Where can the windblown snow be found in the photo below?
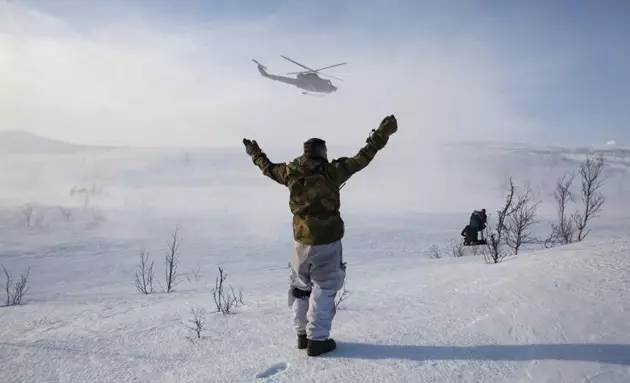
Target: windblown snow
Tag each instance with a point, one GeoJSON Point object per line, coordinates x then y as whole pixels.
{"type": "Point", "coordinates": [546, 315]}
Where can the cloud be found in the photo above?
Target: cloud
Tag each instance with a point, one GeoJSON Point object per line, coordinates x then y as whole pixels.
{"type": "Point", "coordinates": [141, 81]}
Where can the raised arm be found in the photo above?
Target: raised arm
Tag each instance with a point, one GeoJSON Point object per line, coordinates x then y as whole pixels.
{"type": "Point", "coordinates": [343, 168]}
{"type": "Point", "coordinates": [277, 172]}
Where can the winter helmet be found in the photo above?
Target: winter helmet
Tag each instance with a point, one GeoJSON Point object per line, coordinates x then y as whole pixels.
{"type": "Point", "coordinates": [315, 148]}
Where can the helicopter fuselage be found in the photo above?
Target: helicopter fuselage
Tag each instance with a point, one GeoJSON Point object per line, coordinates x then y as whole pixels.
{"type": "Point", "coordinates": [312, 82]}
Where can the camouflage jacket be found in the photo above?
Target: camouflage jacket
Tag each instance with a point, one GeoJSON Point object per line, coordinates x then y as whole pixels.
{"type": "Point", "coordinates": [314, 185]}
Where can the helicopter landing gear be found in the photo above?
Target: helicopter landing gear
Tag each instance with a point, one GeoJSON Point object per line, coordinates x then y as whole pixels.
{"type": "Point", "coordinates": [312, 94]}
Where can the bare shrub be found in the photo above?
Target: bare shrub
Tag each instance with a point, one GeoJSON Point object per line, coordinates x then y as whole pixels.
{"type": "Point", "coordinates": [562, 231]}
{"type": "Point", "coordinates": [457, 248]}
{"type": "Point", "coordinates": [196, 274]}
{"type": "Point", "coordinates": [144, 274]}
{"type": "Point", "coordinates": [238, 298]}
{"type": "Point", "coordinates": [39, 219]}
{"type": "Point", "coordinates": [86, 192]}
{"type": "Point", "coordinates": [15, 292]}
{"type": "Point", "coordinates": [519, 221]}
{"type": "Point", "coordinates": [225, 299]}
{"type": "Point", "coordinates": [569, 229]}
{"type": "Point", "coordinates": [66, 213]}
{"type": "Point", "coordinates": [342, 295]}
{"type": "Point", "coordinates": [476, 250]}
{"type": "Point", "coordinates": [592, 177]}
{"type": "Point", "coordinates": [435, 252]}
{"type": "Point", "coordinates": [218, 291]}
{"type": "Point", "coordinates": [496, 237]}
{"type": "Point", "coordinates": [198, 321]}
{"type": "Point", "coordinates": [28, 211]}
{"type": "Point", "coordinates": [171, 261]}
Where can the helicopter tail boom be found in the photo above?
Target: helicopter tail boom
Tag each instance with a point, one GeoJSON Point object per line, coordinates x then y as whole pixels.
{"type": "Point", "coordinates": [261, 68]}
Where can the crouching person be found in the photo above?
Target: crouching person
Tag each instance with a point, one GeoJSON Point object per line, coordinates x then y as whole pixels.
{"type": "Point", "coordinates": [317, 267]}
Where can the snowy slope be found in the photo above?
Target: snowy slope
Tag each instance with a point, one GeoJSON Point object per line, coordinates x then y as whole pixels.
{"type": "Point", "coordinates": [557, 315]}
{"type": "Point", "coordinates": [553, 316]}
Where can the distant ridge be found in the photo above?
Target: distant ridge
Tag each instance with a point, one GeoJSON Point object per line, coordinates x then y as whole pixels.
{"type": "Point", "coordinates": [20, 141]}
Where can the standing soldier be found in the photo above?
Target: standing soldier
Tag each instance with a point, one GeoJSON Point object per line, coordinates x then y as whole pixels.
{"type": "Point", "coordinates": [317, 268]}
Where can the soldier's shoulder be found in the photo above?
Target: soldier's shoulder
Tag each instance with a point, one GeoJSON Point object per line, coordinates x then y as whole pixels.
{"type": "Point", "coordinates": [337, 160]}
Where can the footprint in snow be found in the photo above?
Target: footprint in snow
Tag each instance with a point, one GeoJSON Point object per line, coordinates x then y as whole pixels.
{"type": "Point", "coordinates": [272, 370]}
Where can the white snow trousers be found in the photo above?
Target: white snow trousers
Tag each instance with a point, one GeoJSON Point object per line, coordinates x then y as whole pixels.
{"type": "Point", "coordinates": [317, 274]}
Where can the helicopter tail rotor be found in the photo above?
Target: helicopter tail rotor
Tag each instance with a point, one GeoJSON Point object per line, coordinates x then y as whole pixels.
{"type": "Point", "coordinates": [259, 64]}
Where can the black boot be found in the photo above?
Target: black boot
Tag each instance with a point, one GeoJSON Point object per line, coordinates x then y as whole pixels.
{"type": "Point", "coordinates": [318, 347]}
{"type": "Point", "coordinates": [302, 341]}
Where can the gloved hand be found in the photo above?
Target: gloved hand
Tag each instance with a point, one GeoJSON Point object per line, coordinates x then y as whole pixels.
{"type": "Point", "coordinates": [251, 147]}
{"type": "Point", "coordinates": [388, 126]}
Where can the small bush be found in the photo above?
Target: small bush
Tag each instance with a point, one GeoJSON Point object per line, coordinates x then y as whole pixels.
{"type": "Point", "coordinates": [28, 211]}
{"type": "Point", "coordinates": [225, 299]}
{"type": "Point", "coordinates": [144, 274]}
{"type": "Point", "coordinates": [66, 213]}
{"type": "Point", "coordinates": [341, 296]}
{"type": "Point", "coordinates": [171, 261]}
{"type": "Point", "coordinates": [496, 237]}
{"type": "Point", "coordinates": [435, 252]}
{"type": "Point", "coordinates": [195, 275]}
{"type": "Point", "coordinates": [592, 176]}
{"type": "Point", "coordinates": [520, 220]}
{"type": "Point", "coordinates": [198, 321]}
{"type": "Point", "coordinates": [563, 231]}
{"type": "Point", "coordinates": [457, 248]}
{"type": "Point", "coordinates": [570, 228]}
{"type": "Point", "coordinates": [15, 292]}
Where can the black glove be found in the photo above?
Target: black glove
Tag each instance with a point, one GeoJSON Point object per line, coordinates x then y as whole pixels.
{"type": "Point", "coordinates": [388, 126]}
{"type": "Point", "coordinates": [251, 147]}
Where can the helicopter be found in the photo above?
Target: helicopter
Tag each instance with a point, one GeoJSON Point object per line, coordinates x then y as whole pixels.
{"type": "Point", "coordinates": [307, 80]}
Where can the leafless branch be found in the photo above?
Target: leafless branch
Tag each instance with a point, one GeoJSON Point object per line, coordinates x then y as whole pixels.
{"type": "Point", "coordinates": [217, 292]}
{"type": "Point", "coordinates": [592, 176]}
{"type": "Point", "coordinates": [196, 274]}
{"type": "Point", "coordinates": [198, 321]}
{"type": "Point", "coordinates": [496, 237]}
{"type": "Point", "coordinates": [27, 210]}
{"type": "Point", "coordinates": [435, 252]}
{"type": "Point", "coordinates": [457, 248]}
{"type": "Point", "coordinates": [7, 286]}
{"type": "Point", "coordinates": [144, 274]}
{"type": "Point", "coordinates": [563, 231]}
{"type": "Point", "coordinates": [224, 299]}
{"type": "Point", "coordinates": [67, 213]}
{"type": "Point", "coordinates": [171, 261]}
{"type": "Point", "coordinates": [342, 295]}
{"type": "Point", "coordinates": [519, 221]}
{"type": "Point", "coordinates": [15, 293]}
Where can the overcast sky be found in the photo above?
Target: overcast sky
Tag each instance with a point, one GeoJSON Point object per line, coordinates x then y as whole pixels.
{"type": "Point", "coordinates": [180, 73]}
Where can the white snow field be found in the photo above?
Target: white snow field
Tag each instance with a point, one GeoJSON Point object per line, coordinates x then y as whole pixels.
{"type": "Point", "coordinates": [546, 315]}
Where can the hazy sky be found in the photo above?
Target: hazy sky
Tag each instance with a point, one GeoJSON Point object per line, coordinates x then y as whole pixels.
{"type": "Point", "coordinates": [158, 72]}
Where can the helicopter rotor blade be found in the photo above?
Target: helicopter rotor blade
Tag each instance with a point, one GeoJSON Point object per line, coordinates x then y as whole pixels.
{"type": "Point", "coordinates": [297, 63]}
{"type": "Point", "coordinates": [310, 70]}
{"type": "Point", "coordinates": [321, 74]}
{"type": "Point", "coordinates": [330, 66]}
{"type": "Point", "coordinates": [327, 75]}
{"type": "Point", "coordinates": [320, 69]}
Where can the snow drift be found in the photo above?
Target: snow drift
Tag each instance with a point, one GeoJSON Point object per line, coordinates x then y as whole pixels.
{"type": "Point", "coordinates": [557, 315]}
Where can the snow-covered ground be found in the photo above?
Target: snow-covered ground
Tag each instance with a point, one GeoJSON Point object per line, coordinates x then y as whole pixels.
{"type": "Point", "coordinates": [554, 315]}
